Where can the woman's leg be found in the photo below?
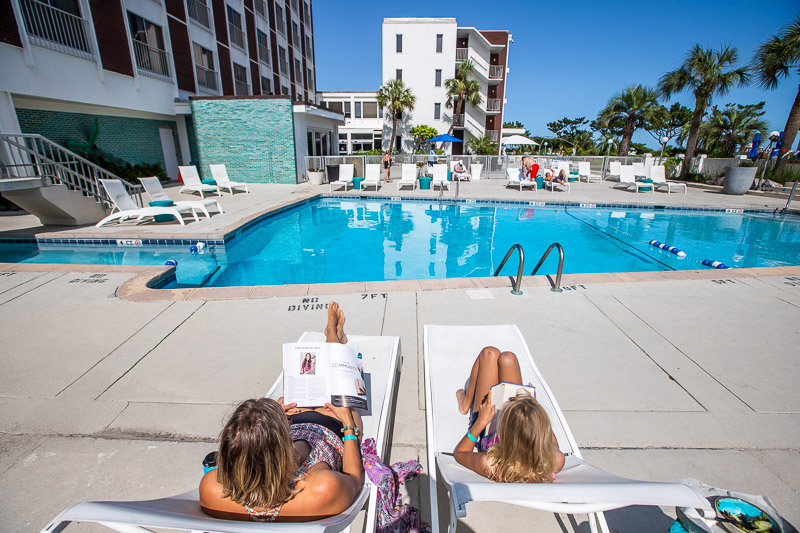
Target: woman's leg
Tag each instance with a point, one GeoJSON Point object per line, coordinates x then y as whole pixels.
{"type": "Point", "coordinates": [484, 376]}
{"type": "Point", "coordinates": [508, 368]}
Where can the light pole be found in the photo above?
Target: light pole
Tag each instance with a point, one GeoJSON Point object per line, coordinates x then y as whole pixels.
{"type": "Point", "coordinates": [664, 141]}
{"type": "Point", "coordinates": [545, 147]}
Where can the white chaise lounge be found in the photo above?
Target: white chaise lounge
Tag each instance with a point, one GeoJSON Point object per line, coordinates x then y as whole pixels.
{"type": "Point", "coordinates": [193, 183]}
{"type": "Point", "coordinates": [585, 172]}
{"type": "Point", "coordinates": [408, 176]}
{"type": "Point", "coordinates": [345, 177]}
{"type": "Point", "coordinates": [628, 178]}
{"type": "Point", "coordinates": [440, 177]}
{"type": "Point", "coordinates": [381, 357]}
{"type": "Point", "coordinates": [659, 176]}
{"type": "Point", "coordinates": [220, 175]}
{"type": "Point", "coordinates": [152, 186]}
{"type": "Point", "coordinates": [125, 208]}
{"type": "Point", "coordinates": [515, 179]}
{"type": "Point", "coordinates": [372, 176]}
{"type": "Point", "coordinates": [578, 488]}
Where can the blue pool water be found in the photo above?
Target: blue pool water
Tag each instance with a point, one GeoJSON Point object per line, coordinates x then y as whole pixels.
{"type": "Point", "coordinates": [338, 240]}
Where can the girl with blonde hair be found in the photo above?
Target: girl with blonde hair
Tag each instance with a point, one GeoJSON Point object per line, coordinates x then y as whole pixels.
{"type": "Point", "coordinates": [524, 448]}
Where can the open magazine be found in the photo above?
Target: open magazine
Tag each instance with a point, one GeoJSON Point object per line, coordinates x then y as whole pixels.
{"type": "Point", "coordinates": [315, 373]}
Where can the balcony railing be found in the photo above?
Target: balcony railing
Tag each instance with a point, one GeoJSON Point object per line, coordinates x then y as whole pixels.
{"type": "Point", "coordinates": [52, 28]}
{"type": "Point", "coordinates": [462, 54]}
{"type": "Point", "coordinates": [263, 54]}
{"type": "Point", "coordinates": [458, 121]}
{"type": "Point", "coordinates": [493, 135]}
{"type": "Point", "coordinates": [496, 72]}
{"type": "Point", "coordinates": [151, 61]}
{"type": "Point", "coordinates": [493, 105]}
{"type": "Point", "coordinates": [237, 35]}
{"type": "Point", "coordinates": [261, 8]}
{"type": "Point", "coordinates": [241, 88]}
{"type": "Point", "coordinates": [199, 12]}
{"type": "Point", "coordinates": [206, 78]}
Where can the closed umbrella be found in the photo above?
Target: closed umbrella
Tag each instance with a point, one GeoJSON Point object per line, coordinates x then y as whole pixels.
{"type": "Point", "coordinates": [753, 153]}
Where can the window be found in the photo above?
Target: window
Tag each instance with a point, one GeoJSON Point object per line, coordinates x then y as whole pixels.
{"type": "Point", "coordinates": [282, 60]}
{"type": "Point", "coordinates": [148, 47]}
{"type": "Point", "coordinates": [438, 43]}
{"type": "Point", "coordinates": [310, 79]}
{"type": "Point", "coordinates": [438, 82]}
{"type": "Point", "coordinates": [279, 23]}
{"type": "Point", "coordinates": [198, 11]}
{"type": "Point", "coordinates": [298, 71]}
{"type": "Point", "coordinates": [437, 111]}
{"type": "Point", "coordinates": [240, 80]}
{"type": "Point", "coordinates": [284, 90]}
{"type": "Point", "coordinates": [235, 27]}
{"type": "Point", "coordinates": [398, 74]}
{"type": "Point", "coordinates": [399, 42]}
{"type": "Point", "coordinates": [296, 35]}
{"type": "Point", "coordinates": [380, 112]}
{"type": "Point", "coordinates": [204, 67]}
{"type": "Point", "coordinates": [261, 8]}
{"type": "Point", "coordinates": [266, 86]}
{"type": "Point", "coordinates": [358, 111]}
{"type": "Point", "coordinates": [370, 109]}
{"type": "Point", "coordinates": [334, 106]}
{"type": "Point", "coordinates": [50, 27]}
{"type": "Point", "coordinates": [347, 110]}
{"type": "Point", "coordinates": [309, 52]}
{"type": "Point", "coordinates": [263, 47]}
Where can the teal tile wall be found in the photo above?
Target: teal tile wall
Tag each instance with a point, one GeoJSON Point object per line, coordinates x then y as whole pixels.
{"type": "Point", "coordinates": [252, 137]}
{"type": "Point", "coordinates": [134, 140]}
{"type": "Point", "coordinates": [194, 155]}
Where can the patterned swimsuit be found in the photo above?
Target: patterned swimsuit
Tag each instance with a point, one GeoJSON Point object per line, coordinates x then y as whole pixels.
{"type": "Point", "coordinates": [326, 447]}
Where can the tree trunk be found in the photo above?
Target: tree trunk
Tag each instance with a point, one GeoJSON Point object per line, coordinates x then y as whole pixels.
{"type": "Point", "coordinates": [627, 135]}
{"type": "Point", "coordinates": [789, 133]}
{"type": "Point", "coordinates": [391, 139]}
{"type": "Point", "coordinates": [694, 133]}
{"type": "Point", "coordinates": [456, 106]}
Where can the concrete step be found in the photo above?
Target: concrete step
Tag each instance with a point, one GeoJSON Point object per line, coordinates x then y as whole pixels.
{"type": "Point", "coordinates": [53, 205]}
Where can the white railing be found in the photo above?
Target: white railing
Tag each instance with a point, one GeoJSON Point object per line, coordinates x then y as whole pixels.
{"type": "Point", "coordinates": [237, 35]}
{"type": "Point", "coordinates": [496, 72]}
{"type": "Point", "coordinates": [493, 105]}
{"type": "Point", "coordinates": [458, 120]}
{"type": "Point", "coordinates": [34, 156]}
{"type": "Point", "coordinates": [462, 54]}
{"type": "Point", "coordinates": [261, 8]}
{"type": "Point", "coordinates": [493, 135]}
{"type": "Point", "coordinates": [199, 12]}
{"type": "Point", "coordinates": [151, 61]}
{"type": "Point", "coordinates": [241, 88]}
{"type": "Point", "coordinates": [206, 77]}
{"type": "Point", "coordinates": [263, 54]}
{"type": "Point", "coordinates": [52, 28]}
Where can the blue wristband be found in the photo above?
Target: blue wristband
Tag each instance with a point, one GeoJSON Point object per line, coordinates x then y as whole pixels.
{"type": "Point", "coordinates": [349, 437]}
{"type": "Point", "coordinates": [470, 437]}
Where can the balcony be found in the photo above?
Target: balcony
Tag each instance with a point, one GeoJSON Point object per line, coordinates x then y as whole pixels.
{"type": "Point", "coordinates": [237, 35]}
{"type": "Point", "coordinates": [493, 105]}
{"type": "Point", "coordinates": [261, 8]}
{"type": "Point", "coordinates": [151, 61]}
{"type": "Point", "coordinates": [263, 54]}
{"type": "Point", "coordinates": [493, 135]}
{"type": "Point", "coordinates": [496, 72]}
{"type": "Point", "coordinates": [462, 54]}
{"type": "Point", "coordinates": [199, 12]}
{"type": "Point", "coordinates": [458, 120]}
{"type": "Point", "coordinates": [52, 28]}
{"type": "Point", "coordinates": [206, 78]}
{"type": "Point", "coordinates": [241, 88]}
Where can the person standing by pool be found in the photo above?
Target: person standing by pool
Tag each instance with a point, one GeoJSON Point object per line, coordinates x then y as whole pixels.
{"type": "Point", "coordinates": [529, 167]}
{"type": "Point", "coordinates": [431, 158]}
{"type": "Point", "coordinates": [387, 163]}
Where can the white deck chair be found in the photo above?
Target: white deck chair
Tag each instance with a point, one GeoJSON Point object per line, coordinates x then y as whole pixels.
{"type": "Point", "coordinates": [613, 170]}
{"type": "Point", "coordinates": [408, 176]}
{"type": "Point", "coordinates": [192, 182]}
{"type": "Point", "coordinates": [552, 185]}
{"type": "Point", "coordinates": [152, 186]}
{"type": "Point", "coordinates": [220, 175]}
{"type": "Point", "coordinates": [639, 171]}
{"type": "Point", "coordinates": [578, 488]}
{"type": "Point", "coordinates": [459, 175]}
{"type": "Point", "coordinates": [381, 357]}
{"type": "Point", "coordinates": [564, 165]}
{"type": "Point", "coordinates": [515, 179]}
{"type": "Point", "coordinates": [659, 176]}
{"type": "Point", "coordinates": [372, 176]}
{"type": "Point", "coordinates": [440, 177]}
{"type": "Point", "coordinates": [627, 178]}
{"type": "Point", "coordinates": [125, 208]}
{"type": "Point", "coordinates": [345, 177]}
{"type": "Point", "coordinates": [585, 172]}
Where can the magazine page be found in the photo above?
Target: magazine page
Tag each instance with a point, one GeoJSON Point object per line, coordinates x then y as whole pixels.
{"type": "Point", "coordinates": [348, 386]}
{"type": "Point", "coordinates": [306, 374]}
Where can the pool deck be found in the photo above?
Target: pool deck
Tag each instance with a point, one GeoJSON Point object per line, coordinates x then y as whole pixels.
{"type": "Point", "coordinates": [660, 377]}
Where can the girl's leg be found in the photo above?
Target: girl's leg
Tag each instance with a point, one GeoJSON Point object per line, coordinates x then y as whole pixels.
{"type": "Point", "coordinates": [331, 333]}
{"type": "Point", "coordinates": [484, 376]}
{"type": "Point", "coordinates": [508, 368]}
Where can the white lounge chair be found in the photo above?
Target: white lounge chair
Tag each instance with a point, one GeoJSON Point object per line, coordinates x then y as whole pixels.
{"type": "Point", "coordinates": [193, 183]}
{"type": "Point", "coordinates": [461, 176]}
{"type": "Point", "coordinates": [440, 177]}
{"type": "Point", "coordinates": [552, 185]}
{"type": "Point", "coordinates": [627, 178]}
{"type": "Point", "coordinates": [372, 176]}
{"type": "Point", "coordinates": [566, 167]}
{"type": "Point", "coordinates": [220, 175]}
{"type": "Point", "coordinates": [125, 208]}
{"type": "Point", "coordinates": [613, 170]}
{"type": "Point", "coordinates": [659, 176]}
{"type": "Point", "coordinates": [639, 171]}
{"type": "Point", "coordinates": [408, 176]}
{"type": "Point", "coordinates": [578, 488]}
{"type": "Point", "coordinates": [585, 172]}
{"type": "Point", "coordinates": [345, 177]}
{"type": "Point", "coordinates": [515, 179]}
{"type": "Point", "coordinates": [381, 357]}
{"type": "Point", "coordinates": [152, 186]}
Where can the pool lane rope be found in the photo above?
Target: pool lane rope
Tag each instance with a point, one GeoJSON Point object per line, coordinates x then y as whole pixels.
{"type": "Point", "coordinates": [193, 249]}
{"type": "Point", "coordinates": [672, 249]}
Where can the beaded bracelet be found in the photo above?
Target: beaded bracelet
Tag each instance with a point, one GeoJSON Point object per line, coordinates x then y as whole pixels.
{"type": "Point", "coordinates": [470, 437]}
{"type": "Point", "coordinates": [349, 437]}
{"type": "Point", "coordinates": [355, 429]}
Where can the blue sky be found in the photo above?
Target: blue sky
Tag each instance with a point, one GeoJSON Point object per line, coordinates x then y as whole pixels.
{"type": "Point", "coordinates": [568, 58]}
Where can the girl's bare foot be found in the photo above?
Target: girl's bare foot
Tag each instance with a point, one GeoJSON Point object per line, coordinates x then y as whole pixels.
{"type": "Point", "coordinates": [340, 326]}
{"type": "Point", "coordinates": [463, 404]}
{"type": "Point", "coordinates": [331, 333]}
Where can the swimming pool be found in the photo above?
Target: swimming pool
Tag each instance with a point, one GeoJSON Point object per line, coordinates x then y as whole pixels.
{"type": "Point", "coordinates": [338, 240]}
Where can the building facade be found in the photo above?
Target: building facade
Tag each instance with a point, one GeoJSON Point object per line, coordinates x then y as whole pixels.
{"type": "Point", "coordinates": [424, 53]}
{"type": "Point", "coordinates": [128, 69]}
{"type": "Point", "coordinates": [363, 119]}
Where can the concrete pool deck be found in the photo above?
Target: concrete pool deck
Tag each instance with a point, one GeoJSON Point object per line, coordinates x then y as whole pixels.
{"type": "Point", "coordinates": [106, 398]}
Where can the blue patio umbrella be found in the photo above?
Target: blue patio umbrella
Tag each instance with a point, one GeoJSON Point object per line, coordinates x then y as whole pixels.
{"type": "Point", "coordinates": [445, 138]}
{"type": "Point", "coordinates": [753, 153]}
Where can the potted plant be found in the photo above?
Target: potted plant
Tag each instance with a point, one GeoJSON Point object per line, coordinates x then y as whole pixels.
{"type": "Point", "coordinates": [316, 176]}
{"type": "Point", "coordinates": [738, 180]}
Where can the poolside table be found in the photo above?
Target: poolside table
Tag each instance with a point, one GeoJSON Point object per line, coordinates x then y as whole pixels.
{"type": "Point", "coordinates": [425, 182]}
{"type": "Point", "coordinates": [357, 182]}
{"type": "Point", "coordinates": [645, 187]}
{"type": "Point", "coordinates": [163, 203]}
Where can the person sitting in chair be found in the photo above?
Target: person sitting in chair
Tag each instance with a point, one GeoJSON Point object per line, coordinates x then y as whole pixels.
{"type": "Point", "coordinates": [460, 171]}
{"type": "Point", "coordinates": [555, 176]}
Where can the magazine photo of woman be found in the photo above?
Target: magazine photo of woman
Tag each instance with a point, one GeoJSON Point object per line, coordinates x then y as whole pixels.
{"type": "Point", "coordinates": [308, 365]}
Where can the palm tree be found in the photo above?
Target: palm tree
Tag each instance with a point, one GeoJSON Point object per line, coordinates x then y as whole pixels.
{"type": "Point", "coordinates": [461, 90]}
{"type": "Point", "coordinates": [706, 73]}
{"type": "Point", "coordinates": [632, 108]}
{"type": "Point", "coordinates": [396, 98]}
{"type": "Point", "coordinates": [774, 59]}
{"type": "Point", "coordinates": [736, 124]}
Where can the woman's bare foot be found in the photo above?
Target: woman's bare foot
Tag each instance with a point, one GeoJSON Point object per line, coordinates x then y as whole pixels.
{"type": "Point", "coordinates": [340, 326]}
{"type": "Point", "coordinates": [331, 333]}
{"type": "Point", "coordinates": [463, 403]}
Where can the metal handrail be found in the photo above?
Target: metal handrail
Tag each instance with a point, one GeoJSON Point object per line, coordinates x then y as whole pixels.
{"type": "Point", "coordinates": [557, 287]}
{"type": "Point", "coordinates": [518, 280]}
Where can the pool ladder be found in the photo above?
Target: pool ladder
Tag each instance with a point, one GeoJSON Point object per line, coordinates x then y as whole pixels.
{"type": "Point", "coordinates": [518, 279]}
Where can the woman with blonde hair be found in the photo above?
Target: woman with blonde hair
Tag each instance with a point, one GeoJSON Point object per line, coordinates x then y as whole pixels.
{"type": "Point", "coordinates": [278, 462]}
{"type": "Point", "coordinates": [524, 448]}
